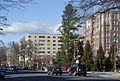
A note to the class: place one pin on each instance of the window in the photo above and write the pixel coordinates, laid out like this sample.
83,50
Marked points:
29,36
41,40
48,52
42,48
35,36
48,40
41,51
54,44
108,28
59,40
114,34
107,34
107,40
54,51
54,36
48,48
54,48
59,44
116,40
113,28
41,44
48,36
35,41
41,36
59,37
116,28
54,40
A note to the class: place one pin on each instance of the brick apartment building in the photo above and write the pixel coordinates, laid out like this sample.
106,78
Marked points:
103,28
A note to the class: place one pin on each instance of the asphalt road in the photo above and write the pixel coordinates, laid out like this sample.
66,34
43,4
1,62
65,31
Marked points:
42,76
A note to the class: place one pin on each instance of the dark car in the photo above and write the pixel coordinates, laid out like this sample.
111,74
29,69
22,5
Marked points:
2,75
118,70
2,69
13,68
78,69
55,69
2,72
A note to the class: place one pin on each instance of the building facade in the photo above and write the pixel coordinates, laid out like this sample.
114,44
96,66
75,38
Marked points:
104,29
47,44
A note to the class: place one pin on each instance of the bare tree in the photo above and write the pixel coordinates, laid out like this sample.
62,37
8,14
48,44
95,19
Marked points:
27,52
23,50
13,56
88,8
3,59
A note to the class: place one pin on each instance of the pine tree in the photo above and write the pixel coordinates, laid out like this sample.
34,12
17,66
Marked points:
79,46
88,56
100,59
68,29
111,56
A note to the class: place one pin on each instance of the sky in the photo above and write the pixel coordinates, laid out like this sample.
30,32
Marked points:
40,16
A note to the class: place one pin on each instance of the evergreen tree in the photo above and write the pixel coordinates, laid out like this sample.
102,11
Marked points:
88,56
111,56
68,29
79,46
100,59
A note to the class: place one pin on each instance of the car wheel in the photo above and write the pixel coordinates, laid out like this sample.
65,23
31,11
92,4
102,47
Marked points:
79,74
75,74
3,77
84,75
48,73
56,73
60,73
70,73
52,73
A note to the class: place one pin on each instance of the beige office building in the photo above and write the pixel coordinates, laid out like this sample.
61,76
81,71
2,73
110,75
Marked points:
103,28
47,44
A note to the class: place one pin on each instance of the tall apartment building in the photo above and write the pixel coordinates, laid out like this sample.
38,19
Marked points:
103,28
47,44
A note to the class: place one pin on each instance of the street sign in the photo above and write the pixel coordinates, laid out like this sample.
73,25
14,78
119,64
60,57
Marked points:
78,55
77,61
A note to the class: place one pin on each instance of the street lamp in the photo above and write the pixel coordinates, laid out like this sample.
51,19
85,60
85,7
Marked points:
115,48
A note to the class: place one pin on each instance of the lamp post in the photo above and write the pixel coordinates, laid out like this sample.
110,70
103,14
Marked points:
115,48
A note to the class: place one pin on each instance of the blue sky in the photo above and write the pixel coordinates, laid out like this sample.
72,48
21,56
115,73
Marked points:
42,16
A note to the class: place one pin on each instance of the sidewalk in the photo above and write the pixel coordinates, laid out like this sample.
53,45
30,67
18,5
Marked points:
109,74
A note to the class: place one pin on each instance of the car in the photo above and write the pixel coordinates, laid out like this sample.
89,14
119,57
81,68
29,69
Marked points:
13,68
55,69
77,69
2,69
118,70
2,75
2,72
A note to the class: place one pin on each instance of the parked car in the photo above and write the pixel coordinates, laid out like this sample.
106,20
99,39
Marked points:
13,68
2,75
2,72
2,69
55,69
77,69
118,70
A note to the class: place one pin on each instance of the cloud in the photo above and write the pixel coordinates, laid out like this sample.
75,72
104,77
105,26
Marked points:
32,27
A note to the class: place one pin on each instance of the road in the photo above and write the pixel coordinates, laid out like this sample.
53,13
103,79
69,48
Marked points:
42,76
